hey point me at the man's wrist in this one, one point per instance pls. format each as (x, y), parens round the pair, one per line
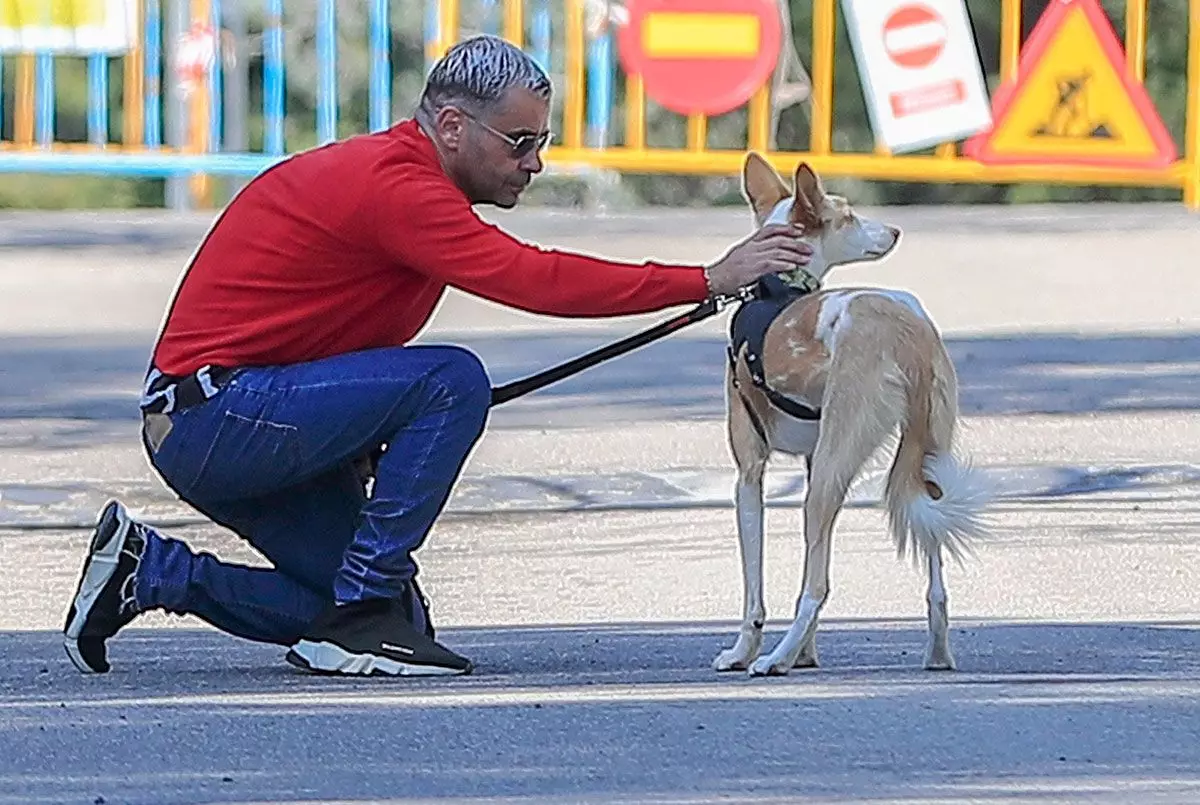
(708, 282)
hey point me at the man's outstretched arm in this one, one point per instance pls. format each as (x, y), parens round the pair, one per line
(428, 226)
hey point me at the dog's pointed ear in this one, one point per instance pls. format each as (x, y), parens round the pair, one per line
(810, 198)
(808, 185)
(762, 185)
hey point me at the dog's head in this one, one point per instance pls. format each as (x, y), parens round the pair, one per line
(837, 233)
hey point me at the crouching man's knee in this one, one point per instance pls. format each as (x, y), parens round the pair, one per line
(463, 382)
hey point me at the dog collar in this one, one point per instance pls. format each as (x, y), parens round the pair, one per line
(802, 280)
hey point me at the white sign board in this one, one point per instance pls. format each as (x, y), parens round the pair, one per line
(67, 26)
(920, 71)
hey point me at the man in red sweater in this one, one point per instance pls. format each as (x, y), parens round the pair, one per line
(284, 360)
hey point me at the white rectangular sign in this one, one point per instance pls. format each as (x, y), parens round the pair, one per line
(67, 26)
(920, 71)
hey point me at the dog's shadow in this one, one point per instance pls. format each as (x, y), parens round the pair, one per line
(179, 661)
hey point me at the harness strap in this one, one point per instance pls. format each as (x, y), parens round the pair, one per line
(749, 326)
(792, 408)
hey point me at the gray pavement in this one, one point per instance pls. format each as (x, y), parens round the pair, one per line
(588, 561)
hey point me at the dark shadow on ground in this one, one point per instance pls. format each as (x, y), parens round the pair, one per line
(679, 378)
(623, 712)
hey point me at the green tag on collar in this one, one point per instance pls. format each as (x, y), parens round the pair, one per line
(802, 280)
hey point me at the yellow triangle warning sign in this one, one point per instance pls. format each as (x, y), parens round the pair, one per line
(1073, 100)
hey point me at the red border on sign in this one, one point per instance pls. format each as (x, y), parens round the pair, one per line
(1040, 39)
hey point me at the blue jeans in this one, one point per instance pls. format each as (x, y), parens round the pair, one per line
(271, 457)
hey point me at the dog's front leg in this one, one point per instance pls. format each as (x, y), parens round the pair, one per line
(749, 499)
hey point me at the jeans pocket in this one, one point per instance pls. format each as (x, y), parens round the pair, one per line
(235, 456)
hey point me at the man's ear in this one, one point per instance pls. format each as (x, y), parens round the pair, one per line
(449, 125)
(762, 185)
(810, 198)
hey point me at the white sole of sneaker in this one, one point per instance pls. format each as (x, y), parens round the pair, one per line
(101, 565)
(329, 658)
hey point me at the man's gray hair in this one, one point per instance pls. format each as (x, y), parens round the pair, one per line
(476, 72)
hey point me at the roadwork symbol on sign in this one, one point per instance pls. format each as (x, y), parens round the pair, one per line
(1073, 100)
(1070, 116)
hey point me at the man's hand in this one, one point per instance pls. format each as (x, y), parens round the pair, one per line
(773, 249)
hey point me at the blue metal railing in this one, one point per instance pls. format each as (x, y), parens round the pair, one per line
(149, 157)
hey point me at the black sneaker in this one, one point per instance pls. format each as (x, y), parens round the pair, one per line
(416, 608)
(104, 601)
(372, 637)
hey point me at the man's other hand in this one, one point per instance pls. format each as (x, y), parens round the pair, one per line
(773, 249)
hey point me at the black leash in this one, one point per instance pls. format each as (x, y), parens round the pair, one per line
(710, 307)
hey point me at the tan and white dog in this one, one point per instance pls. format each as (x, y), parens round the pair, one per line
(865, 361)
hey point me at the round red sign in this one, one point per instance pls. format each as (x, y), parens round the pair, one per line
(914, 36)
(701, 56)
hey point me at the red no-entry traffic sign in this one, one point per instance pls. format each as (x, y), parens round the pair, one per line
(701, 56)
(914, 36)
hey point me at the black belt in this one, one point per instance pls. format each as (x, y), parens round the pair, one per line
(163, 394)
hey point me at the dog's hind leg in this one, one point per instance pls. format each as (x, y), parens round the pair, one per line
(856, 419)
(937, 654)
(750, 453)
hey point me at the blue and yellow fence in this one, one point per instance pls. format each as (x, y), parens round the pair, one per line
(587, 73)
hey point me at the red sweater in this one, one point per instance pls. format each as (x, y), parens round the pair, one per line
(350, 246)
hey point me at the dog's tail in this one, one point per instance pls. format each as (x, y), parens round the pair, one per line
(935, 498)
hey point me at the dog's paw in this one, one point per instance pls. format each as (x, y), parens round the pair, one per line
(770, 666)
(940, 662)
(731, 659)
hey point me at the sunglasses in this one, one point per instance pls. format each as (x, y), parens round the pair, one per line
(522, 145)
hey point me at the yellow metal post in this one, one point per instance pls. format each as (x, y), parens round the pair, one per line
(824, 25)
(697, 132)
(1191, 182)
(23, 107)
(514, 22)
(1010, 39)
(1135, 38)
(198, 112)
(758, 123)
(635, 113)
(447, 26)
(573, 103)
(134, 103)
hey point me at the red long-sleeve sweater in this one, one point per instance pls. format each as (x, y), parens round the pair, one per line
(351, 246)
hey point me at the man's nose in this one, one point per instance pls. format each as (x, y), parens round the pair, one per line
(532, 162)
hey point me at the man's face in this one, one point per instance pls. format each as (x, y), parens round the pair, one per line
(498, 151)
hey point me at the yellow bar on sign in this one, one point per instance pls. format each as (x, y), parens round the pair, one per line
(60, 13)
(683, 35)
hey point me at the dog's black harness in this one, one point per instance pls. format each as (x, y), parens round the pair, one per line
(748, 329)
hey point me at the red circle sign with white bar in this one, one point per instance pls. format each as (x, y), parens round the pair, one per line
(920, 71)
(701, 56)
(914, 36)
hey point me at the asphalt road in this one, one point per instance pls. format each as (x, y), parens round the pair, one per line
(589, 564)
